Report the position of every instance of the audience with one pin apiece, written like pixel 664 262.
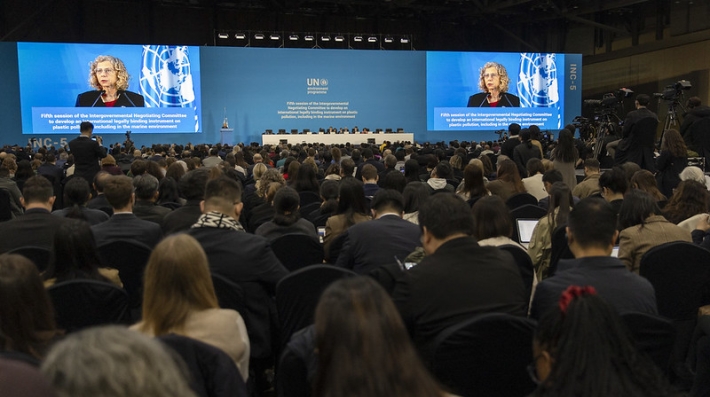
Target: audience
pixel 689 199
pixel 540 246
pixel 192 188
pixel 287 218
pixel 507 182
pixel 533 183
pixel 590 184
pixel 351 209
pixel 613 185
pixel 492 223
pixel 146 202
pixel 671 162
pixel 76 195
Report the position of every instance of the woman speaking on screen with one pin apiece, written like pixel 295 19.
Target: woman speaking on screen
pixel 109 78
pixel 493 82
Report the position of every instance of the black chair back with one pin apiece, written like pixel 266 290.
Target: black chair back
pixel 306 210
pixel 560 249
pixel 5 205
pixel 487 355
pixel 519 200
pixel 80 304
pixel 296 251
pixel 297 296
pixel 309 198
pixel 230 295
pixel 38 255
pixel 525 265
pixel 129 258
pixel 335 247
pixel 298 365
pixel 653 335
pixel 214 374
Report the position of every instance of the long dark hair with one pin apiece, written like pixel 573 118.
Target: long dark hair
pixel 305 180
pixel 474 184
pixel 415 195
pixel 560 200
pixel 351 199
pixel 74 254
pixel 491 218
pixel 363 346
pixel 565 150
pixel 636 208
pixel 411 170
pixel 690 198
pixel 673 142
pixel 508 172
pixel 592 353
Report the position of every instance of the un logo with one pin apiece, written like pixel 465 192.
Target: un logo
pixel 537 80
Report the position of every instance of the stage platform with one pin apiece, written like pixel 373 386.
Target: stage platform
pixel 330 139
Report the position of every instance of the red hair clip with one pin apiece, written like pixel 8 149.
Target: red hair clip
pixel 574 291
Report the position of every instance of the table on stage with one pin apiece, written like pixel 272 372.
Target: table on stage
pixel 330 139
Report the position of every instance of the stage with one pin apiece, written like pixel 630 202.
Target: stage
pixel 339 139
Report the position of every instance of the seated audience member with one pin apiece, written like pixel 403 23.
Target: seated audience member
pixel 694 173
pixel 473 186
pixel 524 152
pixel 458 278
pixel 613 185
pixel 356 323
pixel 146 205
pixel 27 322
pixel 689 199
pixel 20 379
pixel 492 223
pixel 645 181
pixel 98 201
pixel 394 180
pixel 438 181
pixel 533 183
pixel 23 173
pixel 287 219
pixel 329 203
pixel 233 253
pixel 76 195
pixel 390 162
pixel 74 256
pixel 369 245
pixel 590 185
pixel 264 212
pixel 643 227
pixel 169 195
pixel 548 179
pixel 113 361
pixel 352 209
pixel 591 234
pixel 582 348
pixel 369 180
pixel 15 194
pixel 347 168
pixel 192 187
pixel 123 224
pixel 411 171
pixel 415 195
pixel 37 226
pixel 507 182
pixel 540 246
pixel 178 297
pixel 108 164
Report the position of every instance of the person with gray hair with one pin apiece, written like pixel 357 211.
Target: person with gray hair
pixel 113 361
pixel 146 207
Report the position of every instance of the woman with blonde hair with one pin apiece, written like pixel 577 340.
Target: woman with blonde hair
pixel 109 78
pixel 179 298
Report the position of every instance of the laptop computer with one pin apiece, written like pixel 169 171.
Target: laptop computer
pixel 524 228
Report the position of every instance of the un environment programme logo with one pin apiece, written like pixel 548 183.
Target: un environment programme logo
pixel 316 86
pixel 537 82
pixel 166 78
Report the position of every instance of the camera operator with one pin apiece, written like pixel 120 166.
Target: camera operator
pixel 696 125
pixel 87 152
pixel 638 136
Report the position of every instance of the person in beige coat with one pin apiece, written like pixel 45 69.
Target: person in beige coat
pixel 643 228
pixel 590 185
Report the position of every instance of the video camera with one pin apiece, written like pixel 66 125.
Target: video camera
pixel 610 100
pixel 673 92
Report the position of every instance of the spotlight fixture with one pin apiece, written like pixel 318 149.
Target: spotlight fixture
pixel 223 35
pixel 309 38
pixel 357 38
pixel 372 39
pixel 339 38
pixel 404 40
pixel 325 38
pixel 259 36
pixel 275 37
pixel 293 37
pixel 389 39
pixel 240 36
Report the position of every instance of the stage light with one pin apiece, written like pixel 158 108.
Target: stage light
pixel 325 38
pixel 309 38
pixel 372 39
pixel 293 37
pixel 389 40
pixel 357 38
pixel 339 38
pixel 240 36
pixel 259 36
pixel 275 37
pixel 404 40
pixel 223 36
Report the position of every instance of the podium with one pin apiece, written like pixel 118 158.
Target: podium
pixel 226 135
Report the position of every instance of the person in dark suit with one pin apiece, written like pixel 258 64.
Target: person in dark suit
pixel 369 157
pixel 494 83
pixel 458 278
pixel 508 147
pixel 87 152
pixel 109 78
pixel 76 194
pixel 124 225
pixel 192 187
pixel 591 234
pixel 37 226
pixel 638 136
pixel 98 201
pixel 146 190
pixel 369 245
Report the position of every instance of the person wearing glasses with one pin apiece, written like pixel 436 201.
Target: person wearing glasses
pixel 494 83
pixel 109 78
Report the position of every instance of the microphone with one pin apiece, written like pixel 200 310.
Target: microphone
pixel 98 97
pixel 129 98
pixel 505 95
pixel 485 98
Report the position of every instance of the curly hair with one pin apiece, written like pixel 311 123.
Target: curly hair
pixel 674 143
pixel 502 73
pixel 122 75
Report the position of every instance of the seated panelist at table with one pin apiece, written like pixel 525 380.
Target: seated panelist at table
pixel 109 78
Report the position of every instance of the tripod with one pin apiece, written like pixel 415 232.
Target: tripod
pixel 671 120
pixel 607 126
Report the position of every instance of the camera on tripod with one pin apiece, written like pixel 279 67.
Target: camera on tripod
pixel 610 101
pixel 674 92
